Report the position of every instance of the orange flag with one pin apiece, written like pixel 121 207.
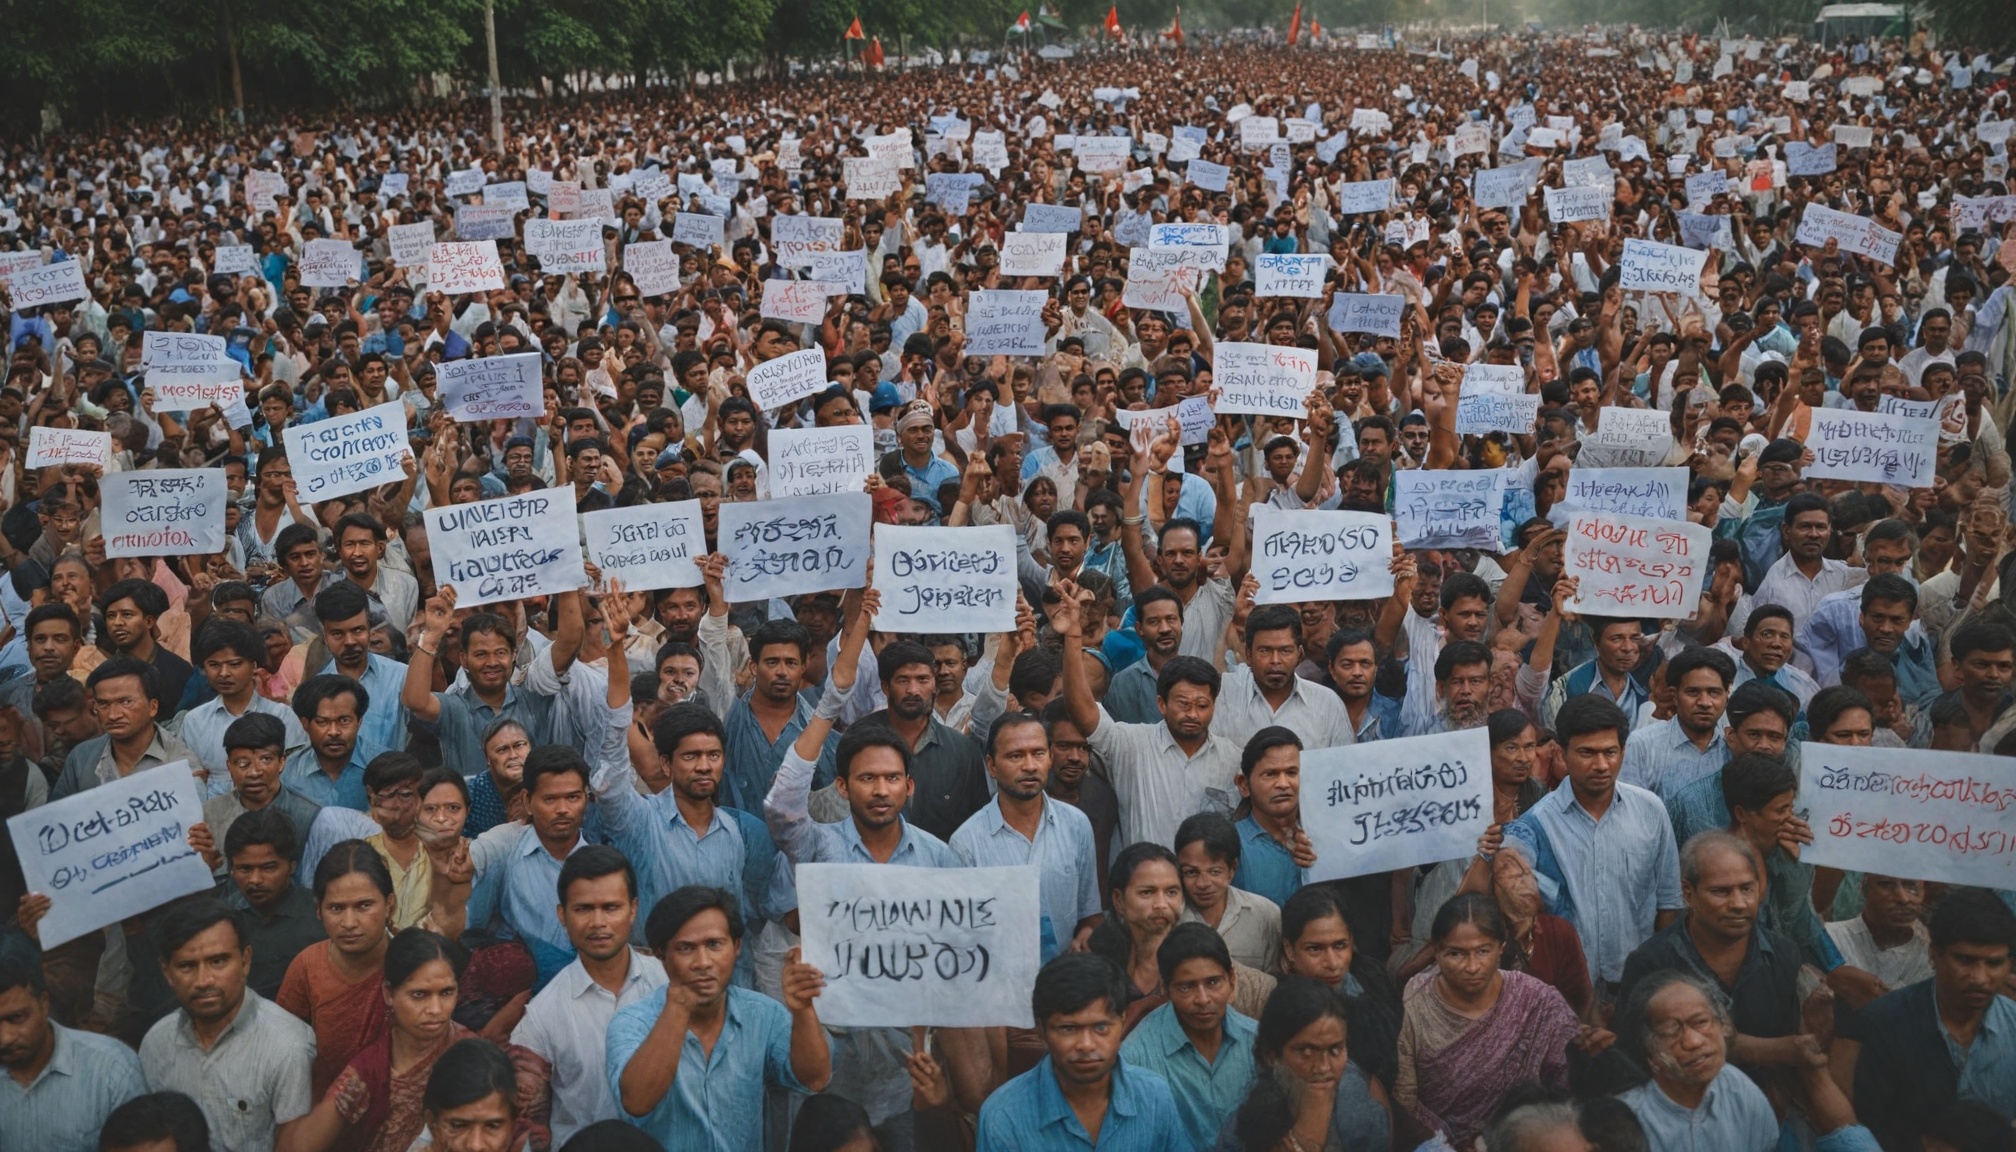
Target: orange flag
pixel 874 53
pixel 854 31
pixel 1113 21
pixel 1175 31
pixel 1295 26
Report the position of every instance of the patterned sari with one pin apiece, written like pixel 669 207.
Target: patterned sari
pixel 1455 1070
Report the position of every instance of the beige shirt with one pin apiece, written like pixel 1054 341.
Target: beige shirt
pixel 1251 929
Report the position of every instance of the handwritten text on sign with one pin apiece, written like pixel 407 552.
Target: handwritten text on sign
pixel 1636 565
pixel 1264 379
pixel 468 266
pixel 1396 803
pixel 1290 274
pixel 1494 399
pixel 164 512
pixel 938 947
pixel 1655 493
pixel 1377 315
pixel 1852 445
pixel 1945 816
pixel 346 454
pixel 1649 266
pixel 819 461
pixel 1301 556
pixel 804 544
pixel 647 546
pixel 492 388
pixel 47 284
pixel 787 379
pixel 1006 322
pixel 945 579
pixel 114 851
pixel 1458 508
pixel 507 548
pixel 49 447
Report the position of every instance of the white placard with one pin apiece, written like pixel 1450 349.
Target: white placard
pixel 699 230
pixel 1647 493
pixel 570 246
pixel 1457 508
pixel 1311 555
pixel 1157 280
pixel 163 512
pixel 485 222
pixel 1706 232
pixel 1494 399
pixel 647 546
pixel 491 388
pixel 394 185
pixel 465 266
pixel 1864 237
pixel 785 380
pixel 1364 196
pixel 820 461
pixel 936 947
pixel 1849 444
pixel 508 548
pixel 1395 804
pixel 653 266
pixel 1803 159
pixel 1576 203
pixel 412 245
pixel 1649 266
pixel 1006 322
pixel 1102 154
pixel 794 236
pixel 1051 218
pixel 1635 565
pixel 563 198
pixel 115 851
pixel 1258 132
pixel 1703 187
pixel 870 179
pixel 1171 237
pixel 234 260
pixel 804 544
pixel 263 190
pixel 1938 816
pixel 507 194
pixel 466 182
pixel 798 301
pixel 351 453
pixel 1503 187
pixel 1298 275
pixel 1032 253
pixel 1263 379
pixel 849 268
pixel 189 370
pixel 329 263
pixel 1628 438
pixel 1373 314
pixel 49 447
pixel 1207 175
pixel 945 579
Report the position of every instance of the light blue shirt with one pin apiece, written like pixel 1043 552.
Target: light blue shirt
pixel 1663 759
pixel 87 1076
pixel 786 810
pixel 1207 1092
pixel 517 885
pixel 465 717
pixel 303 773
pixel 202 729
pixel 383 728
pixel 715 1103
pixel 1030 1114
pixel 1987 1067
pixel 667 852
pixel 1266 868
pixel 1197 502
pixel 1063 851
pixel 1609 878
pixel 753 757
pixel 1834 631
pixel 1734 1116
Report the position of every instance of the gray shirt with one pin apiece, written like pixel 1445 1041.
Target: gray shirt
pixel 254 1077
pixel 1158 783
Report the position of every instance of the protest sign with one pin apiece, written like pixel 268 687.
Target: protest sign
pixel 870 179
pixel 1377 315
pixel 234 260
pixel 351 453
pixel 1589 172
pixel 1102 154
pixel 507 548
pixel 465 182
pixel 263 190
pixel 189 370
pixel 1706 232
pixel 699 230
pixel 1006 322
pixel 819 461
pixel 1396 804
pixel 1263 379
pixel 394 185
pixel 563 199
pixel 795 236
pixel 49 447
pixel 1306 555
pixel 1051 218
pixel 1848 444
pixel 1289 274
pixel 990 150
pixel 1032 253
pixel 329 263
pixel 1167 237
pixel 1648 493
pixel 647 546
pixel 163 512
pixel 1257 132
pixel 1576 203
pixel 652 185
pixel 1802 159
pixel 1449 509
pixel 1370 122
pixel 1864 237
pixel 945 579
pixel 1649 266
pixel 653 266
pixel 12 262
pixel 412 245
pixel 798 301
pixel 599 204
pixel 1207 175
pixel 1628 438
pixel 1703 187
pixel 507 194
pixel 491 388
pixel 466 266
pixel 1635 565
pixel 1494 399
pixel 565 246
pixel 787 379
pixel 849 268
pixel 952 191
pixel 935 947
pixel 116 851
pixel 1503 187
pixel 896 149
pixel 1947 817
pixel 803 544
pixel 1158 280
pixel 1360 197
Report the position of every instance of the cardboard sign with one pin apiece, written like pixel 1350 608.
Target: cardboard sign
pixel 939 947
pixel 647 546
pixel 346 454
pixel 1307 555
pixel 1006 322
pixel 1848 444
pixel 1395 804
pixel 1206 175
pixel 492 388
pixel 652 266
pixel 466 182
pixel 786 380
pixel 794 236
pixel 116 850
pixel 1503 187
pixel 1102 154
pixel 1938 816
pixel 1647 493
pixel 508 548
pixel 1458 508
pixel 945 579
pixel 1290 274
pixel 1263 379
pixel 870 179
pixel 163 512
pixel 412 245
pixel 1649 266
pixel 1377 315
pixel 1577 203
pixel 485 222
pixel 234 260
pixel 1819 224
pixel 189 370
pixel 1636 566
pixel 52 447
pixel 466 266
pixel 1170 237
pixel 820 461
pixel 845 268
pixel 1032 253
pixel 1802 159
pixel 804 544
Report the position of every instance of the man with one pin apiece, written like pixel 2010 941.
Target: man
pixel 1668 756
pixel 567 1024
pixel 1885 621
pixel 279 916
pixel 1197 1042
pixel 517 866
pixel 1264 691
pixel 690 1062
pixel 1462 673
pixel 360 549
pixel 1207 857
pixel 948 768
pixel 466 710
pixel 1073 781
pixel 1274 852
pixel 255 759
pixel 913 458
pixel 392 787
pixel 1680 1025
pixel 951 703
pixel 1805 575
pixel 131 609
pixel 1766 650
pixel 344 613
pixel 242 1058
pixel 1952 1037
pixel 156 1122
pixel 230 654
pixel 1158 621
pixel 1207 601
pixel 1433 613
pixel 60 1084
pixel 299 551
pixel 54 636
pixel 126 694
pixel 1351 656
pixel 330 770
pixel 1022 825
pixel 765 722
pixel 1611 674
pixel 1984 657
pixel 1083 1093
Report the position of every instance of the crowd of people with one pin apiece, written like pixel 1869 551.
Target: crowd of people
pixel 524 875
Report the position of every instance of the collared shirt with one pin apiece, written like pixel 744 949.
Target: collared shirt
pixel 201 729
pixel 1785 585
pixel 1734 1116
pixel 287 603
pixel 1764 997
pixel 1250 927
pixel 93 762
pixel 63 1108
pixel 275 935
pixel 304 774
pixel 1609 878
pixel 1424 644
pixel 1130 695
pixel 465 718
pixel 669 853
pixel 791 827
pixel 949 777
pixel 318 829
pixel 1063 852
pixel 411 883
pixel 1030 1114
pixel 1789 678
pixel 1381 722
pixel 394 591
pixel 1205 616
pixel 383 726
pixel 1266 867
pixel 1311 710
pixel 515 886
pixel 253 1076
pixel 567 1025
pixel 1987 1066
pixel 715 1103
pixel 1159 784
pixel 1206 1091
pixel 1664 759
pixel 753 758
pixel 1835 631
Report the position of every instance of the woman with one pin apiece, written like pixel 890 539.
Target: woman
pixel 335 984
pixel 1146 897
pixel 497 983
pixel 1316 943
pixel 1308 1093
pixel 377 1102
pixel 1473 1030
pixel 471 1101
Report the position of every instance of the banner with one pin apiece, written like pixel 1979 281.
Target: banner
pixel 163 512
pixel 508 548
pixel 804 544
pixel 1307 555
pixel 346 454
pixel 945 579
pixel 647 546
pixel 1635 565
pixel 1395 804
pixel 1947 817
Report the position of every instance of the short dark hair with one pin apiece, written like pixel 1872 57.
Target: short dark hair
pixel 14 974
pixel 145 594
pixel 1460 654
pixel 1752 780
pixel 389 768
pixel 1588 714
pixel 1464 586
pixel 268 826
pixel 119 667
pixel 1691 660
pixel 1866 664
pixel 155 1118
pixel 255 730
pixel 1754 696
pixel 1828 704
pixel 1186 670
pixel 185 921
pixel 314 690
pixel 675 908
pixel 413 948
pixel 862 737
pixel 471 1070
pixel 1008 720
pixel 1156 594
pixel 1264 741
pixel 1273 618
pixel 553 760
pixel 1192 941
pixel 43 613
pixel 899 655
pixel 682 720
pixel 1215 832
pixel 1890 588
pixel 341 601
pixel 219 634
pixel 1972 916
pixel 1763 612
pixel 294 536
pixel 592 862
pixel 1981 636
pixel 1034 672
pixel 772 632
pixel 351 856
pixel 1073 982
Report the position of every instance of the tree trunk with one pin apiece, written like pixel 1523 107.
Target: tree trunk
pixel 237 72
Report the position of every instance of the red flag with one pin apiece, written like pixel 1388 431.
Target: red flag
pixel 1023 22
pixel 1175 31
pixel 1113 21
pixel 1295 26
pixel 874 53
pixel 854 31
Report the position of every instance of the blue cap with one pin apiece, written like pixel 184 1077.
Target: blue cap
pixel 884 398
pixel 1369 364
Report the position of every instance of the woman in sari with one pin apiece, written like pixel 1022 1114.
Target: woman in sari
pixel 1472 1030
pixel 335 985
pixel 1308 1094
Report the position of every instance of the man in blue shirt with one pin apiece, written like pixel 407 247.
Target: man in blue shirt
pixel 1084 1094
pixel 330 770
pixel 57 1085
pixel 1274 852
pixel 915 429
pixel 1197 1041
pixel 690 1063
